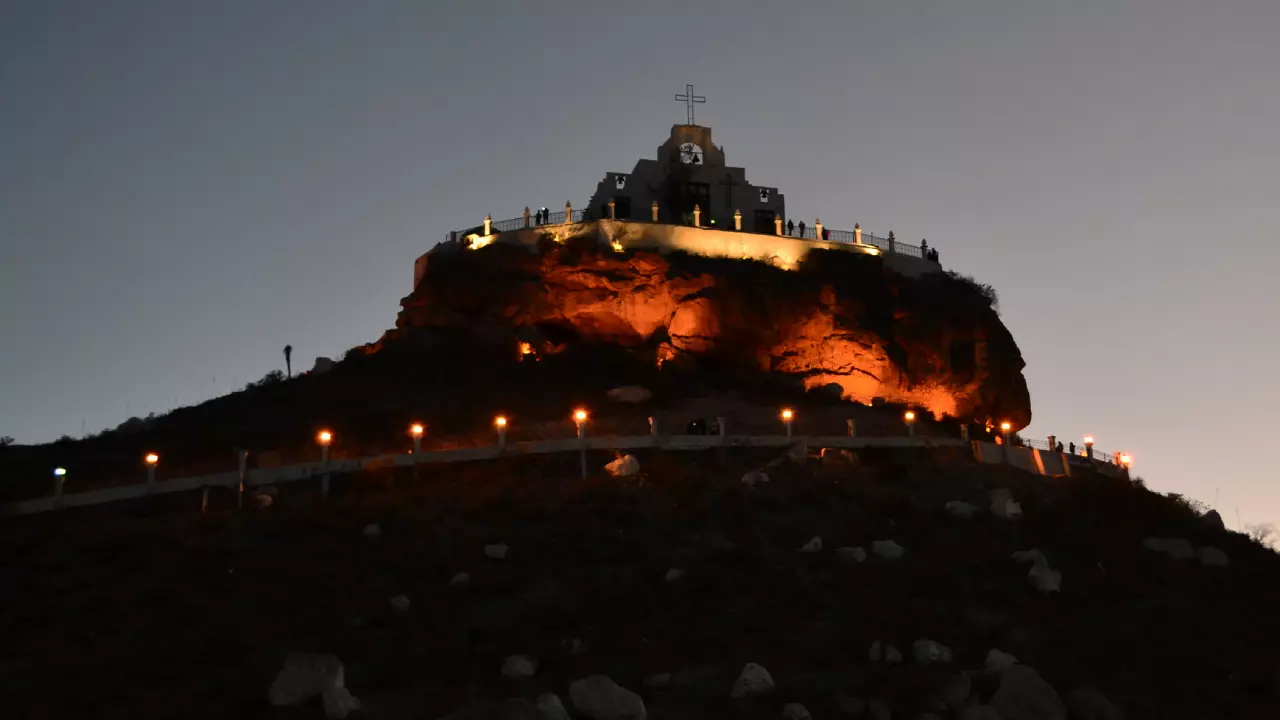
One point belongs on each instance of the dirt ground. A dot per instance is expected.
(148, 610)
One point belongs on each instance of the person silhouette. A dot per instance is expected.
(801, 226)
(791, 227)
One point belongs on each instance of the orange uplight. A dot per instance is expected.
(787, 414)
(416, 429)
(1088, 439)
(579, 415)
(526, 348)
(501, 420)
(909, 416)
(1126, 459)
(151, 458)
(1006, 426)
(325, 437)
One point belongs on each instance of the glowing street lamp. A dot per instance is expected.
(1005, 427)
(580, 419)
(910, 418)
(59, 476)
(151, 459)
(324, 438)
(787, 416)
(1125, 460)
(1088, 446)
(415, 431)
(500, 423)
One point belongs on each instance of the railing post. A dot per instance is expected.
(612, 214)
(568, 212)
(817, 229)
(857, 233)
(737, 220)
(526, 217)
(488, 225)
(892, 243)
(777, 224)
(697, 216)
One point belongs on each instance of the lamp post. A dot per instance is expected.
(415, 432)
(59, 476)
(909, 418)
(580, 419)
(151, 460)
(324, 438)
(242, 466)
(1088, 446)
(1005, 428)
(787, 416)
(500, 423)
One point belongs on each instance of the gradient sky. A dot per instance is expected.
(185, 187)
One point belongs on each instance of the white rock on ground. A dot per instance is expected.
(814, 545)
(400, 602)
(891, 655)
(1088, 703)
(460, 580)
(550, 707)
(372, 530)
(887, 550)
(851, 555)
(1003, 505)
(338, 702)
(630, 394)
(1044, 578)
(305, 676)
(657, 680)
(625, 466)
(1024, 695)
(999, 661)
(519, 667)
(928, 652)
(755, 477)
(962, 509)
(1213, 556)
(795, 711)
(600, 698)
(497, 551)
(753, 680)
(263, 500)
(674, 574)
(1176, 548)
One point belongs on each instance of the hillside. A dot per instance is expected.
(147, 610)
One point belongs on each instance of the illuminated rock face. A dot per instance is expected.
(932, 342)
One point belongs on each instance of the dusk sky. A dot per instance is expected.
(186, 187)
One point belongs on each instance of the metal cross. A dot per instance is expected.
(688, 98)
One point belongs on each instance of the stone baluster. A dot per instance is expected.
(568, 211)
(488, 225)
(612, 213)
(654, 209)
(892, 243)
(777, 224)
(526, 217)
(737, 220)
(857, 233)
(697, 216)
(817, 228)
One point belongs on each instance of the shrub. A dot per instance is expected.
(983, 290)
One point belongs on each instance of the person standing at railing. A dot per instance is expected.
(1072, 448)
(801, 228)
(791, 227)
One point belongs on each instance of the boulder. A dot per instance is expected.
(876, 652)
(338, 702)
(304, 677)
(891, 655)
(372, 530)
(755, 477)
(1044, 578)
(263, 500)
(674, 574)
(887, 550)
(928, 652)
(887, 653)
(497, 551)
(625, 466)
(999, 661)
(630, 394)
(550, 707)
(519, 667)
(814, 545)
(460, 580)
(1003, 505)
(1088, 703)
(795, 711)
(1024, 695)
(961, 509)
(574, 646)
(753, 680)
(851, 555)
(400, 602)
(1213, 520)
(1213, 557)
(1176, 548)
(600, 698)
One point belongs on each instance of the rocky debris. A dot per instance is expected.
(755, 477)
(372, 530)
(519, 667)
(1176, 548)
(624, 466)
(1003, 505)
(600, 698)
(1042, 577)
(497, 551)
(1213, 520)
(888, 550)
(657, 680)
(879, 710)
(795, 711)
(400, 602)
(674, 574)
(263, 500)
(1213, 557)
(999, 661)
(754, 680)
(814, 545)
(305, 676)
(961, 509)
(887, 653)
(954, 690)
(851, 555)
(850, 705)
(1024, 695)
(630, 394)
(978, 712)
(460, 580)
(1088, 703)
(550, 707)
(928, 652)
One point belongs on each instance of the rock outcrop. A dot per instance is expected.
(933, 342)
